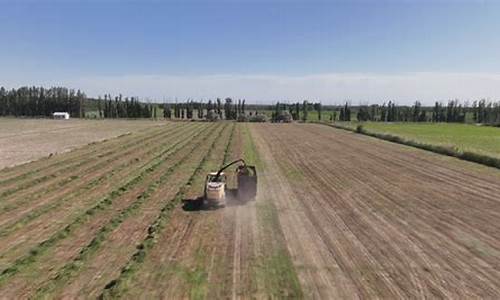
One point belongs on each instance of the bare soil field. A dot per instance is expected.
(337, 215)
(24, 140)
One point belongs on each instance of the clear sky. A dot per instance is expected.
(363, 51)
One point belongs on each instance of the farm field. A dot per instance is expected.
(367, 218)
(24, 140)
(337, 215)
(77, 227)
(465, 137)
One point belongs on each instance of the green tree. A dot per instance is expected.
(305, 109)
(228, 109)
(219, 108)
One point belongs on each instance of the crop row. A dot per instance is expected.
(61, 164)
(21, 171)
(106, 170)
(72, 268)
(102, 204)
(78, 156)
(101, 169)
(77, 191)
(95, 159)
(51, 161)
(114, 287)
(51, 261)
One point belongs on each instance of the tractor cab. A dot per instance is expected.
(215, 186)
(212, 177)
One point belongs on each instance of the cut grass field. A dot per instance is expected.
(465, 137)
(337, 215)
(109, 229)
(370, 219)
(24, 140)
(462, 141)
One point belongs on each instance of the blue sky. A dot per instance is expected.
(364, 51)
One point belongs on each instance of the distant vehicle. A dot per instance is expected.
(60, 116)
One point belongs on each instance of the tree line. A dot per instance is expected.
(482, 111)
(39, 101)
(42, 102)
(120, 107)
(215, 110)
(284, 112)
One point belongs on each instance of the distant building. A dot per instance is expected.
(61, 115)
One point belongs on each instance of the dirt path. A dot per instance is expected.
(375, 219)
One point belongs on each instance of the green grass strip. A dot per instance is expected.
(274, 269)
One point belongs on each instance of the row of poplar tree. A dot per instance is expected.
(300, 111)
(482, 111)
(120, 107)
(284, 112)
(39, 101)
(43, 102)
(210, 110)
